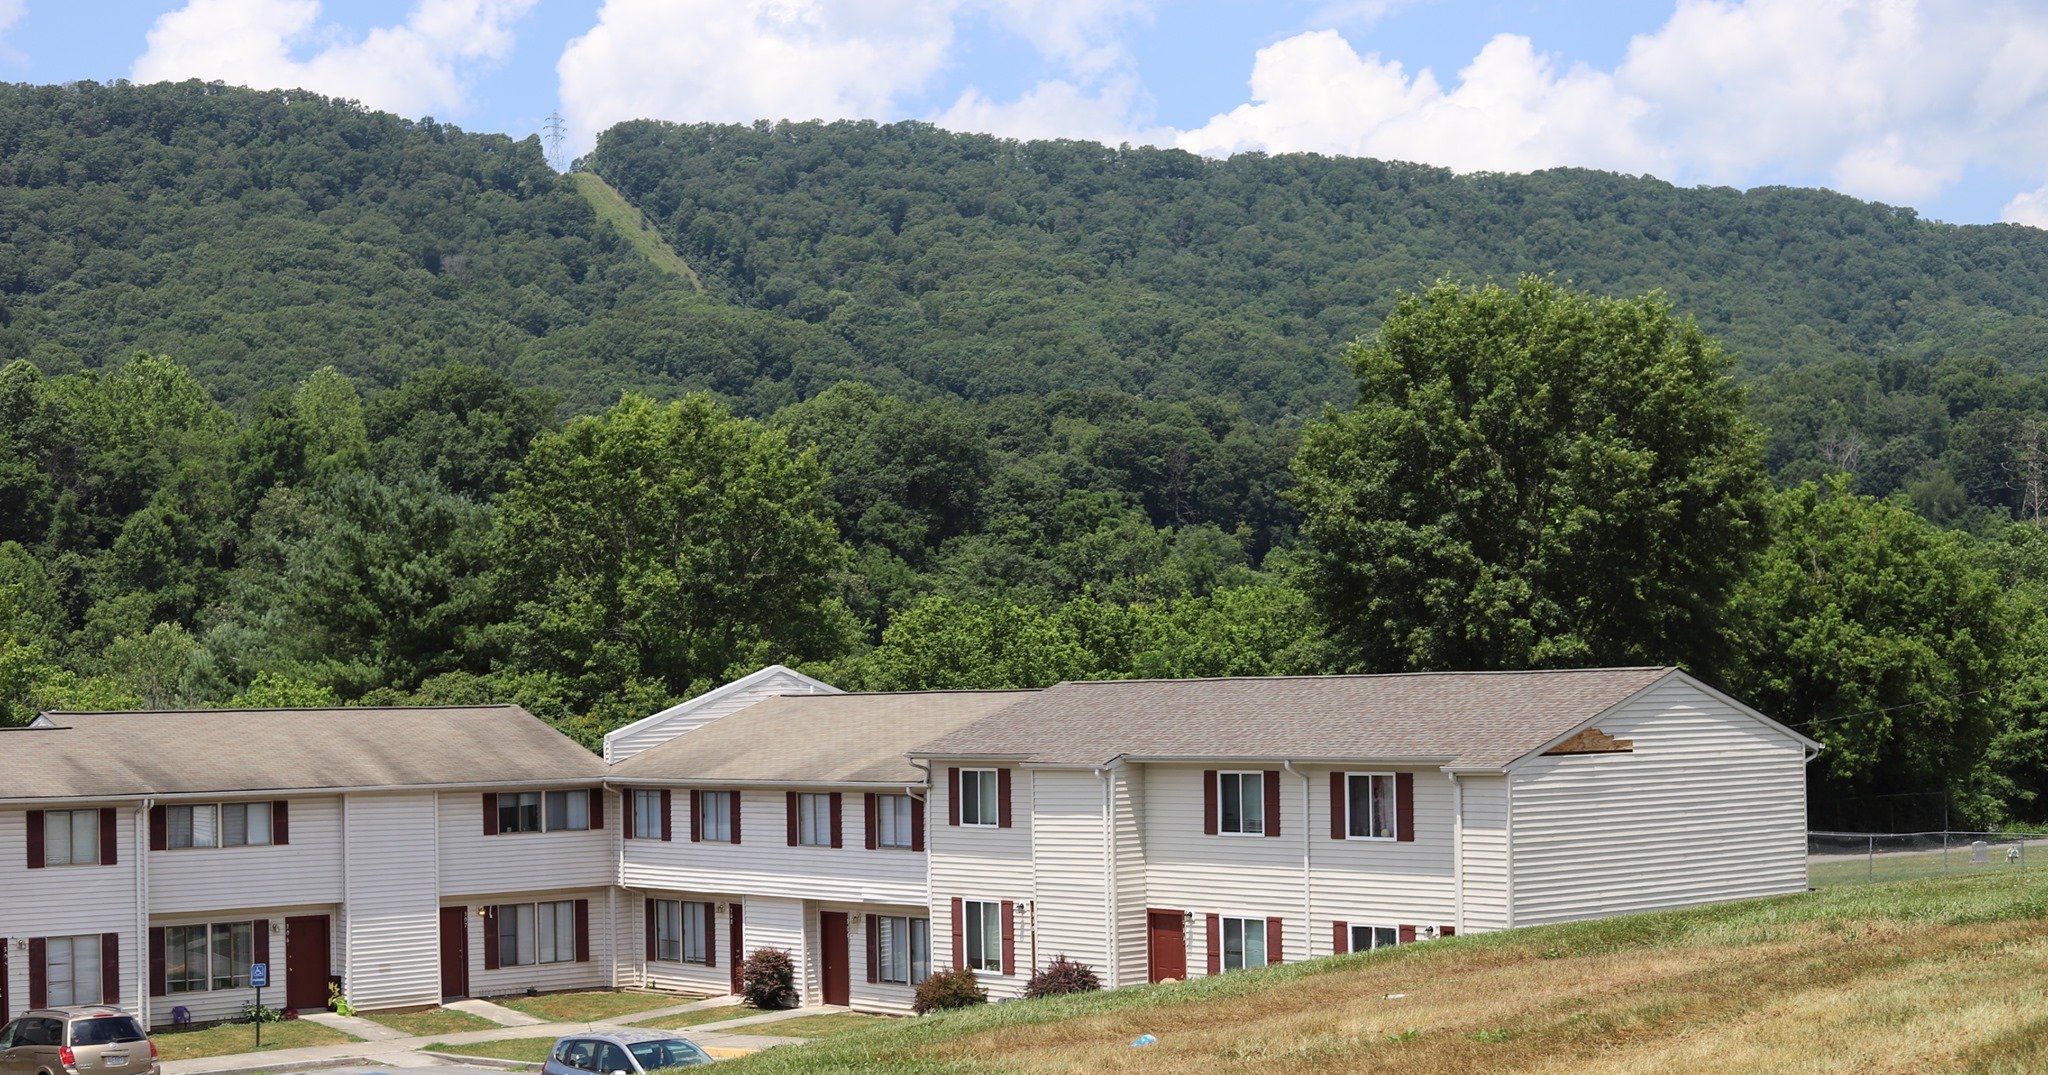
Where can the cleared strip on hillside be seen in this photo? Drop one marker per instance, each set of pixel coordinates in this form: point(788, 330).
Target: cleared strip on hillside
point(613, 208)
point(1913, 976)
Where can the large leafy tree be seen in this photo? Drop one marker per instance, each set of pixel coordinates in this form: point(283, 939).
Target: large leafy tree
point(1530, 477)
point(673, 543)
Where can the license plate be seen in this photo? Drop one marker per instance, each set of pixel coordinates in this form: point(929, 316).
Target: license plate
point(114, 1062)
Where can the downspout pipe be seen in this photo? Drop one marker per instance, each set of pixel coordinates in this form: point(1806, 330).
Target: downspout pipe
point(142, 997)
point(1458, 852)
point(1308, 926)
point(1109, 879)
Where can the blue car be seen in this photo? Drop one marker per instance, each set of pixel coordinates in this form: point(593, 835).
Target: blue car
point(622, 1052)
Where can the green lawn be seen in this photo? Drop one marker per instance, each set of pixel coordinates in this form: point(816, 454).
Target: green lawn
point(1931, 975)
point(1859, 868)
point(818, 1026)
point(225, 1038)
point(432, 1021)
point(699, 1017)
point(613, 208)
point(592, 1006)
point(529, 1050)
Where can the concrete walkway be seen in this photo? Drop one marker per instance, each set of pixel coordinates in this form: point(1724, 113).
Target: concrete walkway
point(391, 1048)
point(354, 1025)
point(496, 1013)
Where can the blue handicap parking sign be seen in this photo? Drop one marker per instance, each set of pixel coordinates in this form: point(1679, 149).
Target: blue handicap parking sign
point(259, 974)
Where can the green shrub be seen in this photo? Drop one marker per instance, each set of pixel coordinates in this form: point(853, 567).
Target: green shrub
point(948, 989)
point(768, 980)
point(1062, 975)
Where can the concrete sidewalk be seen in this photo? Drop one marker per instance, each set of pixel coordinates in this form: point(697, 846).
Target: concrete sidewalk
point(399, 1051)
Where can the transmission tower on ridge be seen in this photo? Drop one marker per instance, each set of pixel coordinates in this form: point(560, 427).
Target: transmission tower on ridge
point(555, 132)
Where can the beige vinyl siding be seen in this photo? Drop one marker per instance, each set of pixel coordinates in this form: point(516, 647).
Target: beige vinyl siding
point(1071, 855)
point(779, 923)
point(695, 979)
point(763, 863)
point(981, 863)
point(1381, 881)
point(68, 901)
point(1127, 808)
point(545, 977)
point(1709, 806)
point(1485, 853)
point(890, 997)
point(1234, 876)
point(662, 727)
point(216, 1005)
point(472, 864)
point(306, 871)
point(393, 919)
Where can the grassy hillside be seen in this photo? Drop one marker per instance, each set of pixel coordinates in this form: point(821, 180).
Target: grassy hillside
point(1914, 976)
point(613, 209)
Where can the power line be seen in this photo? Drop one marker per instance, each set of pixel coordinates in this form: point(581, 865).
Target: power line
point(555, 131)
point(1904, 705)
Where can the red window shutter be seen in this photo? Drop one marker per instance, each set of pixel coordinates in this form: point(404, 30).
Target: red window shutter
point(159, 828)
point(1446, 931)
point(1002, 798)
point(735, 815)
point(1340, 803)
point(1209, 800)
point(261, 929)
point(959, 937)
point(1407, 934)
point(280, 822)
point(491, 938)
point(868, 819)
point(1215, 944)
point(668, 815)
point(1009, 935)
point(837, 828)
point(626, 813)
point(38, 973)
point(158, 972)
point(35, 843)
point(653, 941)
point(1404, 807)
point(874, 925)
point(1272, 789)
point(789, 808)
point(1276, 945)
point(110, 968)
point(582, 931)
point(490, 813)
point(110, 841)
point(711, 935)
point(916, 824)
point(597, 808)
point(953, 795)
point(696, 817)
point(1340, 937)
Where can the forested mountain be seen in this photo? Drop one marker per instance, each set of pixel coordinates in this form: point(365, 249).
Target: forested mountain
point(304, 403)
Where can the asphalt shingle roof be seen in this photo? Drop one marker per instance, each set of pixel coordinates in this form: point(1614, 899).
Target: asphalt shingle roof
point(1478, 720)
point(114, 754)
point(817, 738)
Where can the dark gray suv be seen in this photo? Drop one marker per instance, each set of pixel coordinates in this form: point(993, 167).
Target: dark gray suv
point(72, 1041)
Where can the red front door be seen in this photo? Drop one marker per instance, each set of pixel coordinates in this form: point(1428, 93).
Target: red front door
point(1166, 945)
point(736, 943)
point(454, 952)
point(833, 954)
point(307, 952)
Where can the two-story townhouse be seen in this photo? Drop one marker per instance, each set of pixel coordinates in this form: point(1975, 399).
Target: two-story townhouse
point(1161, 829)
point(796, 822)
point(150, 859)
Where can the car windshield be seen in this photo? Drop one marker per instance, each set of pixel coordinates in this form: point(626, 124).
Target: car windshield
point(668, 1053)
point(105, 1030)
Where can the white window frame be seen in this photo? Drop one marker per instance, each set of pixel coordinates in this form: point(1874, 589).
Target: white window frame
point(210, 821)
point(1391, 824)
point(529, 936)
point(1243, 926)
point(1372, 930)
point(715, 826)
point(680, 930)
point(894, 823)
point(647, 819)
point(1222, 797)
point(985, 800)
point(575, 808)
point(903, 948)
point(68, 822)
point(814, 819)
point(981, 936)
point(72, 987)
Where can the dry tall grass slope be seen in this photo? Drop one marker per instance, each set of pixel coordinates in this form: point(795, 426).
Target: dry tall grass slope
point(1943, 975)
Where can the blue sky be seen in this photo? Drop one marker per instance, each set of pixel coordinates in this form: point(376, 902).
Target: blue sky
point(1937, 104)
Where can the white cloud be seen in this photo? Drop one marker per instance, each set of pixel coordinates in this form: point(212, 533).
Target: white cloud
point(1083, 35)
point(11, 12)
point(421, 66)
point(1888, 99)
point(2030, 208)
point(1058, 109)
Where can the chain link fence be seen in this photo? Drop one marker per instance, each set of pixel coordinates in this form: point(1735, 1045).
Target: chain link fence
point(1856, 858)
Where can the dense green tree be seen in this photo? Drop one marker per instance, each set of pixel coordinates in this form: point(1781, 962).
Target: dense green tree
point(465, 425)
point(1530, 478)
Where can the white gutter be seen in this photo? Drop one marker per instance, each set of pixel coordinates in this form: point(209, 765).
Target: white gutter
point(142, 998)
point(229, 794)
point(1308, 926)
point(1457, 852)
point(930, 828)
point(1108, 877)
